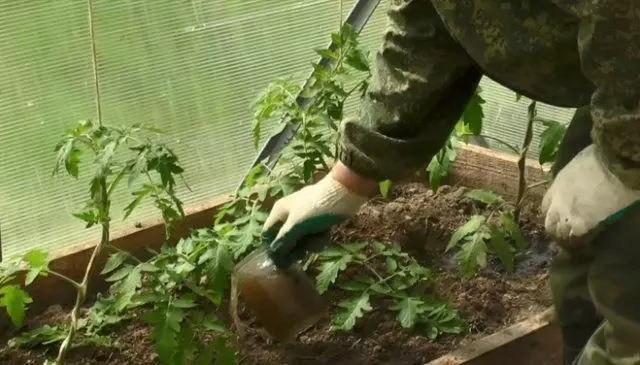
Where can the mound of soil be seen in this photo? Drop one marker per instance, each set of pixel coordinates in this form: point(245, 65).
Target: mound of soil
point(422, 222)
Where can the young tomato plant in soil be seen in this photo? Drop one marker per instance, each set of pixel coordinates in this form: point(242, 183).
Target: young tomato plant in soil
point(499, 232)
point(390, 274)
point(153, 166)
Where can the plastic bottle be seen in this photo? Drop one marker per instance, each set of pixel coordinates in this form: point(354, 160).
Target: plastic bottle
point(285, 301)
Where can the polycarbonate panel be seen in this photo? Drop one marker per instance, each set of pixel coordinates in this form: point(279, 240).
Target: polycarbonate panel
point(192, 68)
point(506, 118)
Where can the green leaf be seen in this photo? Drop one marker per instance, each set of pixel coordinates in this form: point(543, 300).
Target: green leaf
point(550, 140)
point(441, 164)
point(408, 311)
point(351, 310)
point(219, 265)
point(184, 303)
point(473, 114)
point(114, 262)
point(225, 354)
point(127, 288)
point(385, 186)
point(43, 335)
point(513, 228)
point(466, 229)
point(502, 248)
point(37, 258)
point(327, 53)
point(484, 196)
point(38, 261)
point(358, 60)
point(187, 346)
point(211, 323)
point(330, 270)
point(473, 254)
point(15, 301)
point(166, 321)
point(391, 264)
point(120, 274)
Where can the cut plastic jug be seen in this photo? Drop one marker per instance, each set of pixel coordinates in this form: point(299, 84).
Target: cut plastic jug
point(285, 301)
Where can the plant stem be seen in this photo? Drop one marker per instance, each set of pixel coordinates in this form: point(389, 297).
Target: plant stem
point(504, 143)
point(522, 181)
point(94, 64)
point(72, 282)
point(82, 289)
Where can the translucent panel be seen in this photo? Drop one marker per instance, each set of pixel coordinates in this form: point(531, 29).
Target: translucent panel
point(192, 68)
point(506, 118)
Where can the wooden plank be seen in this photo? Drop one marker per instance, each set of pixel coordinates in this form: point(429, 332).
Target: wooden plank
point(532, 341)
point(475, 167)
point(478, 167)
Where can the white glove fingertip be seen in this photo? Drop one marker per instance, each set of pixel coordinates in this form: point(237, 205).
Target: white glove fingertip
point(279, 213)
point(551, 222)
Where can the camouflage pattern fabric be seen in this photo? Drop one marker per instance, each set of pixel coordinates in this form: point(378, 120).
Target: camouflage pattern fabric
point(566, 53)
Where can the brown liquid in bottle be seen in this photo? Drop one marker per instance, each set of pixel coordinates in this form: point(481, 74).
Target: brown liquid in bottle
point(284, 301)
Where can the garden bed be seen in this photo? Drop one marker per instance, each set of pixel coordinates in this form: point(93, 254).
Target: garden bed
point(421, 222)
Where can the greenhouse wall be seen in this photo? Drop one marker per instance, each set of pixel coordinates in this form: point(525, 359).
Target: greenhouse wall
point(190, 68)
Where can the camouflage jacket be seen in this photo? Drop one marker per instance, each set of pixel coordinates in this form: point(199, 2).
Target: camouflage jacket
point(567, 53)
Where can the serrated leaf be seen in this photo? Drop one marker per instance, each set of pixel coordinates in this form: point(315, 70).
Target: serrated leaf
point(225, 353)
point(114, 262)
point(166, 321)
point(15, 301)
point(329, 272)
point(473, 114)
point(466, 229)
point(473, 254)
point(550, 140)
point(186, 346)
point(120, 274)
point(219, 265)
point(184, 303)
point(484, 196)
point(211, 323)
point(502, 248)
point(43, 335)
point(351, 310)
point(126, 289)
point(510, 225)
point(409, 309)
point(36, 258)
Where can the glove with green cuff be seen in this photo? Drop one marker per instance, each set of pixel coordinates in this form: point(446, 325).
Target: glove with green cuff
point(300, 223)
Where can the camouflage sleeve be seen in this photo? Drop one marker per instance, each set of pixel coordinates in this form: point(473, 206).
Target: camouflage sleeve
point(609, 43)
point(421, 83)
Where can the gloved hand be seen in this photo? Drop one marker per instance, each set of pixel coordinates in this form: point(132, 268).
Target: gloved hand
point(584, 196)
point(300, 222)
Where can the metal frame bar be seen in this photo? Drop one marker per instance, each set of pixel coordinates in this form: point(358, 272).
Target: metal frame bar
point(357, 18)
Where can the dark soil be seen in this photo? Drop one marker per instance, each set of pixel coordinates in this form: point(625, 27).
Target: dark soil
point(422, 222)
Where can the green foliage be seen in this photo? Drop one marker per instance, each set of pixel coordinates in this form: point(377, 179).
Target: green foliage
point(470, 124)
point(151, 162)
point(550, 140)
point(498, 234)
point(391, 274)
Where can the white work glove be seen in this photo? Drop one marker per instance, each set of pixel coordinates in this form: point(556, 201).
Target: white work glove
point(583, 195)
point(304, 219)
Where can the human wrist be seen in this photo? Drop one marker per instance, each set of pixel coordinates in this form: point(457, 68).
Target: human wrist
point(352, 181)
